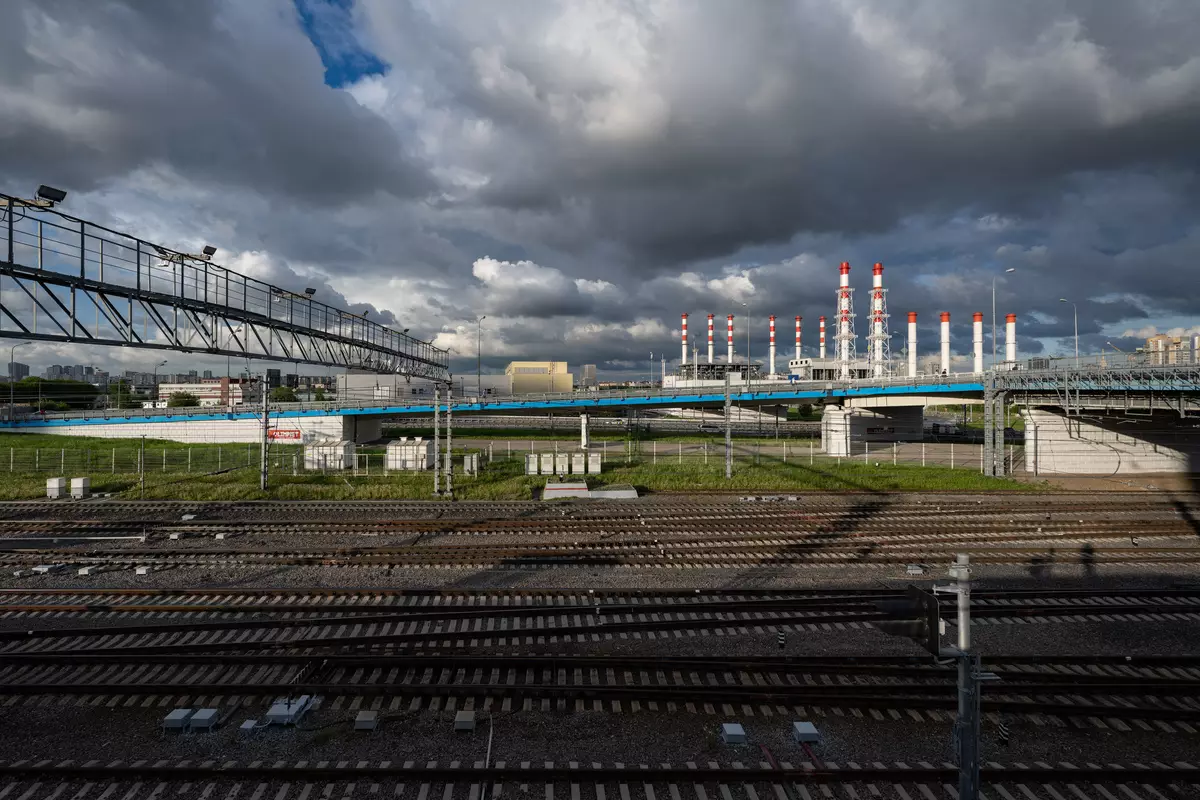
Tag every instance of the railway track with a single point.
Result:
(1149, 694)
(612, 554)
(205, 778)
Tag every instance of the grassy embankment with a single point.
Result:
(503, 480)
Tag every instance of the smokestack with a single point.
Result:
(977, 340)
(912, 344)
(798, 338)
(821, 328)
(946, 342)
(710, 338)
(729, 324)
(683, 339)
(1010, 338)
(877, 335)
(844, 335)
(772, 351)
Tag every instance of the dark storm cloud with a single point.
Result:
(223, 93)
(735, 124)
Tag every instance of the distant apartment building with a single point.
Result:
(1164, 349)
(533, 377)
(587, 376)
(17, 370)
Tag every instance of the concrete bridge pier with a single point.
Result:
(1098, 443)
(845, 431)
(585, 433)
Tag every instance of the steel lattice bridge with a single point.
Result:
(63, 279)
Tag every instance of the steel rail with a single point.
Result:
(190, 771)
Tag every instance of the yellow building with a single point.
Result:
(534, 377)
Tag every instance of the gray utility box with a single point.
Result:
(288, 712)
(593, 463)
(366, 721)
(733, 733)
(81, 488)
(464, 721)
(806, 733)
(577, 463)
(205, 719)
(177, 720)
(56, 488)
(531, 464)
(547, 463)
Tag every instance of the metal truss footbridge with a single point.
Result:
(64, 279)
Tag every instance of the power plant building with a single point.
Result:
(537, 377)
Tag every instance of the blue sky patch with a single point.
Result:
(329, 25)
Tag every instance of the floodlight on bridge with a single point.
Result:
(51, 195)
(209, 251)
(310, 291)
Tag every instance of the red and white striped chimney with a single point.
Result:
(842, 337)
(821, 329)
(912, 344)
(683, 338)
(729, 332)
(710, 338)
(772, 350)
(1010, 338)
(798, 338)
(977, 339)
(946, 342)
(877, 338)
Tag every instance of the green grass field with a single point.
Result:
(503, 480)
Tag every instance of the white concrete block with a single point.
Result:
(366, 721)
(733, 733)
(464, 721)
(205, 719)
(805, 732)
(56, 488)
(177, 720)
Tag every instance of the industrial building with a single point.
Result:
(535, 377)
(845, 363)
(216, 392)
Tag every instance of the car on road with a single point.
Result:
(710, 427)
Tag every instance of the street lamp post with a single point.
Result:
(12, 356)
(1010, 269)
(155, 387)
(1075, 309)
(479, 356)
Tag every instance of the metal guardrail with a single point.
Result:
(147, 295)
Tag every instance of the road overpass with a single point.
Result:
(1090, 415)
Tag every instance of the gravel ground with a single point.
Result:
(55, 732)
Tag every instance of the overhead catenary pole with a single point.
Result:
(728, 432)
(262, 478)
(449, 442)
(437, 441)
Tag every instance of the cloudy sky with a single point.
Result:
(583, 171)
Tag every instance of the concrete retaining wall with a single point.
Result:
(843, 431)
(287, 431)
(1108, 444)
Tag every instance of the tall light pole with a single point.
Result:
(1010, 269)
(479, 356)
(155, 387)
(12, 356)
(650, 374)
(746, 305)
(1076, 310)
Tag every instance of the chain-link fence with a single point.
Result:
(130, 460)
